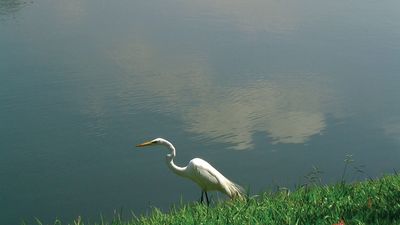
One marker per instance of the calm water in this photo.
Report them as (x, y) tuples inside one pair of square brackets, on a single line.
[(263, 90)]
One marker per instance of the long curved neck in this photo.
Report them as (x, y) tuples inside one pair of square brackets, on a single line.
[(170, 160)]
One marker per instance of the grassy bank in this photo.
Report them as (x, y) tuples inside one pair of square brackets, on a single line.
[(366, 202)]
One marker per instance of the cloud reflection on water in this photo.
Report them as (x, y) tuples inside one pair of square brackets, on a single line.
[(287, 108), (287, 114)]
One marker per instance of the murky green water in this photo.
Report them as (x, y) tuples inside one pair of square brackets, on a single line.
[(263, 90)]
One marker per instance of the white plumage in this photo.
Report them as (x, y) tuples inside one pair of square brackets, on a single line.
[(199, 171)]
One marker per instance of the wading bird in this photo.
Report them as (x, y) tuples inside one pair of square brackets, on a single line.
[(199, 171)]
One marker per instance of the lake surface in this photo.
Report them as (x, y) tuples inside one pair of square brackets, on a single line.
[(263, 90)]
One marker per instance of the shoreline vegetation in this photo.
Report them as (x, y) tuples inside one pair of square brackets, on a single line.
[(372, 201)]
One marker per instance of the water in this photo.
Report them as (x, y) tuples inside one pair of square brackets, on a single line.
[(263, 90)]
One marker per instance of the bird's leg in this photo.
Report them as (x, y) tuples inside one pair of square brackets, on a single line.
[(208, 202), (201, 198)]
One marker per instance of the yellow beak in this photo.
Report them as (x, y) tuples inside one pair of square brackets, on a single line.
[(144, 144)]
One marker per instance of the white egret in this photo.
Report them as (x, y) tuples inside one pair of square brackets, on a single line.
[(199, 171)]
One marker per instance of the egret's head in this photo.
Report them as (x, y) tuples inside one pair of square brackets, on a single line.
[(157, 141)]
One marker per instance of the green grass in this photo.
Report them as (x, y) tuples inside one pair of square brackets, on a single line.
[(366, 202)]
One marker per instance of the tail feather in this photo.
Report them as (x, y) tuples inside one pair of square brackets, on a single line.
[(236, 191)]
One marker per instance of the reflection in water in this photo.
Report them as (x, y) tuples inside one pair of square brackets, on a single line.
[(288, 114), (288, 108), (9, 7), (159, 80)]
